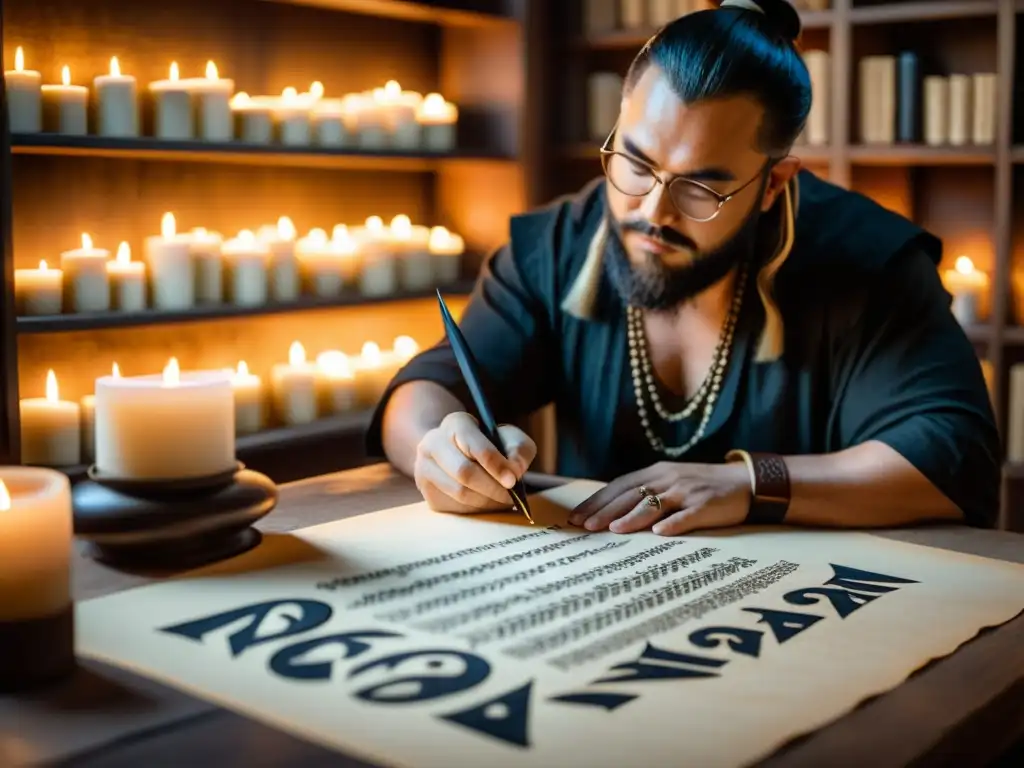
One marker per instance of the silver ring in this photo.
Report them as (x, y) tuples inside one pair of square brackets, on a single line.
[(653, 500), (643, 490)]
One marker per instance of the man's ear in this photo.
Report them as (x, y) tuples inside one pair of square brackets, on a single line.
[(780, 174)]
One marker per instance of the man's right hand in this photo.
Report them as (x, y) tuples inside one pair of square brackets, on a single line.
[(459, 470)]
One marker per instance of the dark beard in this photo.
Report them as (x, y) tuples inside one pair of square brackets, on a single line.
[(656, 287)]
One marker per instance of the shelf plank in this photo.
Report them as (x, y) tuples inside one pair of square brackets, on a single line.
[(933, 10), (910, 154), (237, 152), (463, 13), (979, 333), (1017, 153), (90, 321), (1013, 335)]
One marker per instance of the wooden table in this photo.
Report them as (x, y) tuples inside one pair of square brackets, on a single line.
[(964, 710)]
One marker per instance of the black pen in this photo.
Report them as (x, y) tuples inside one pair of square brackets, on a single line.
[(467, 364)]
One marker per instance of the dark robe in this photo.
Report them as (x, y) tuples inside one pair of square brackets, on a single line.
[(872, 352)]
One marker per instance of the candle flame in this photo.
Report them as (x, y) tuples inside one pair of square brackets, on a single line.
[(86, 242), (175, 74), (5, 496), (243, 368), (211, 71), (406, 347), (401, 226), (115, 371), (239, 99), (375, 224), (296, 354), (964, 265), (392, 89), (285, 228), (317, 236), (19, 60), (316, 89), (340, 233), (52, 392), (115, 66), (172, 372), (168, 226), (439, 236), (199, 231), (372, 354), (42, 265), (247, 236), (335, 364), (124, 253), (289, 93), (65, 75), (433, 105)]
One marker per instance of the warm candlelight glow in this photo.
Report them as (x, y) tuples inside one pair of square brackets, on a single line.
[(175, 74), (433, 105), (5, 496), (247, 236), (392, 90), (286, 229), (406, 347), (375, 225), (401, 226), (86, 242), (65, 75), (211, 71), (964, 265), (115, 66), (296, 354), (335, 364), (317, 236), (372, 356), (172, 373), (52, 393), (316, 89), (168, 226), (240, 99), (340, 232), (124, 254), (243, 368), (342, 240), (19, 60), (289, 93), (115, 371), (42, 265)]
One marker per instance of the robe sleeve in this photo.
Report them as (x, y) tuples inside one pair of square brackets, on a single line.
[(507, 324), (905, 374)]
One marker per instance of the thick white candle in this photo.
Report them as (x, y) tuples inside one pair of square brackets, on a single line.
[(212, 96), (127, 281), (285, 281), (405, 349), (348, 250), (338, 382), (320, 266), (66, 107), (50, 428), (38, 291), (378, 275), (400, 109), (117, 103), (167, 426), (446, 251), (295, 386), (171, 271), (968, 286), (330, 126), (24, 102), (291, 115), (88, 405), (245, 261), (254, 119), (438, 119), (249, 403), (204, 248), (370, 121), (86, 282), (172, 107), (35, 543), (410, 245), (373, 372)]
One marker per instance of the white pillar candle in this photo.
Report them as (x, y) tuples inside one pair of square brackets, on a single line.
[(253, 118), (50, 428), (330, 128), (117, 103), (320, 266), (35, 543), (167, 426), (24, 101), (66, 107), (245, 265), (204, 248), (171, 272), (86, 283), (413, 258), (372, 373), (968, 286), (405, 349), (38, 291), (338, 382), (296, 386), (291, 116), (446, 251), (88, 406), (248, 394), (127, 281), (378, 273), (212, 98), (347, 249), (400, 108), (285, 280), (172, 107), (438, 119), (370, 121)]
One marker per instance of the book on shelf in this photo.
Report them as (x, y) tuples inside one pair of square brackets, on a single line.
[(604, 95), (608, 15), (1015, 415), (816, 131), (877, 99), (811, 5)]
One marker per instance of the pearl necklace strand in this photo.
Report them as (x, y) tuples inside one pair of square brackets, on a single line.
[(710, 388)]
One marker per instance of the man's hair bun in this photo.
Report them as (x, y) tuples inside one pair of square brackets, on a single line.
[(780, 18)]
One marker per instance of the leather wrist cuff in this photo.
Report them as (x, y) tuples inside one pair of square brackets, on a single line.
[(769, 486)]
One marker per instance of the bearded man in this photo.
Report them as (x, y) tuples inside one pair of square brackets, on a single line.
[(726, 337)]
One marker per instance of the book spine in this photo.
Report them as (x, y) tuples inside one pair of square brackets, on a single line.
[(868, 110), (984, 124), (660, 12), (886, 79), (936, 110), (631, 14), (817, 130), (959, 110), (1015, 436), (908, 101), (599, 16), (604, 91)]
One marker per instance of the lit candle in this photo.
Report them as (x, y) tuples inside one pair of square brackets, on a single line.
[(171, 271), (378, 274), (24, 103), (213, 104), (66, 107), (414, 260), (127, 281), (370, 119), (400, 109), (36, 609), (372, 375), (330, 123), (967, 285), (438, 119), (88, 405), (347, 249), (86, 283), (38, 291), (291, 114), (245, 262), (117, 106), (248, 393), (320, 266), (295, 387), (254, 118), (338, 383), (405, 349), (165, 426), (204, 248), (446, 251), (172, 104), (285, 281), (50, 428)]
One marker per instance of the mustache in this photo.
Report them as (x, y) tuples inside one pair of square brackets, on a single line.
[(665, 235)]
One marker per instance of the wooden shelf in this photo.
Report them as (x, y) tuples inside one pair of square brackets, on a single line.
[(1013, 335), (236, 152), (92, 321), (1017, 154), (979, 334), (463, 13), (909, 154), (923, 11)]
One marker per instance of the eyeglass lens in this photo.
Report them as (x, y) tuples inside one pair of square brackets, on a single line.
[(636, 179)]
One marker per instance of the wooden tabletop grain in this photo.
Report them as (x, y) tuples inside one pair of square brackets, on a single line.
[(966, 709)]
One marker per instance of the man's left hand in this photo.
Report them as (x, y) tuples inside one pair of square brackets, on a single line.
[(692, 496)]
